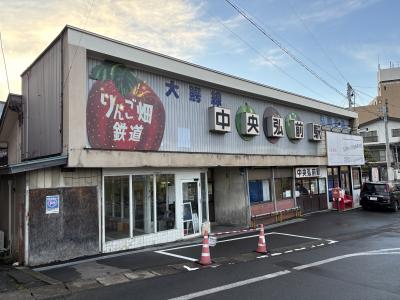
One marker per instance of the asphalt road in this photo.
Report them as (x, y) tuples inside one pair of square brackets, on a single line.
[(363, 264)]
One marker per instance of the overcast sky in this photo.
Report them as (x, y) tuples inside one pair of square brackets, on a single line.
[(339, 40)]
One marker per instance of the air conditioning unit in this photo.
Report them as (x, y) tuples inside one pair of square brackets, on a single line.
[(2, 240)]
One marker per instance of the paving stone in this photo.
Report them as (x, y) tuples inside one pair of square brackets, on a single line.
[(21, 277), (185, 266), (38, 275), (17, 295), (113, 279), (80, 285), (7, 284), (166, 270), (139, 275), (49, 291)]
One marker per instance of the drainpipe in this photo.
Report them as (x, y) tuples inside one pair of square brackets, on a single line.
[(294, 187), (247, 195), (9, 215), (273, 188)]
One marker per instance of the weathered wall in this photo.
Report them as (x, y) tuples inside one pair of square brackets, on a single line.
[(41, 89), (75, 230), (55, 177), (14, 144), (72, 232), (122, 159), (230, 192), (13, 227), (4, 207)]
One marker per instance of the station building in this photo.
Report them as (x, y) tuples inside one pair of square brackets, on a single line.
[(112, 147)]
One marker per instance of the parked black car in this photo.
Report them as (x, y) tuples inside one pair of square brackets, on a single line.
[(380, 194)]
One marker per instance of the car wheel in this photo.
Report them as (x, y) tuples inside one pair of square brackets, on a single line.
[(364, 207), (395, 206)]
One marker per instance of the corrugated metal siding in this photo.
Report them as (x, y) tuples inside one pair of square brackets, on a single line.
[(182, 113), (42, 105)]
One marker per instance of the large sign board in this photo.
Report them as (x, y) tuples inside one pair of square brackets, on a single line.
[(344, 149)]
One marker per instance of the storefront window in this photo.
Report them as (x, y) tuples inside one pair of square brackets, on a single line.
[(345, 179), (302, 187), (165, 191), (322, 185), (143, 204), (116, 199), (259, 191), (190, 196), (283, 188), (356, 173), (313, 186)]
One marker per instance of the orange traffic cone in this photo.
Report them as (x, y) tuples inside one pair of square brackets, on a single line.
[(205, 258), (262, 247)]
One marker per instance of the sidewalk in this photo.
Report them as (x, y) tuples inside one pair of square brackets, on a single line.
[(69, 277)]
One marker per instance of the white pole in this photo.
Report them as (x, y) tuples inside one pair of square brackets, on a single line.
[(9, 215)]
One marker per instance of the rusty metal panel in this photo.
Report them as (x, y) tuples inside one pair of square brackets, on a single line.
[(42, 85), (186, 126)]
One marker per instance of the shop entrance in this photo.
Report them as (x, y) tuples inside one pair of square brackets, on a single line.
[(339, 177), (311, 194), (192, 212)]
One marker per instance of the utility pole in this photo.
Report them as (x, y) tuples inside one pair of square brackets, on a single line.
[(385, 119), (350, 95)]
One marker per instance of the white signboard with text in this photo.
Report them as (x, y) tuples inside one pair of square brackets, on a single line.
[(344, 149)]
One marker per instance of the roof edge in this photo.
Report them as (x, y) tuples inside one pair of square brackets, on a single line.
[(346, 112)]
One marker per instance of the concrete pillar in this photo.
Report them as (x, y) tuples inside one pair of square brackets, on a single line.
[(231, 204)]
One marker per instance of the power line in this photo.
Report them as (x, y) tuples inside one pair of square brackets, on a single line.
[(268, 60), (276, 42), (293, 47), (5, 65), (361, 92), (316, 41)]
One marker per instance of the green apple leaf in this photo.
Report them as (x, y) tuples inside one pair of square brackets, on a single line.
[(124, 78)]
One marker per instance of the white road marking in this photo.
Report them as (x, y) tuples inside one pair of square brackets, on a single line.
[(299, 249), (322, 244), (262, 256), (284, 272), (190, 269), (332, 259), (275, 254), (221, 241), (299, 236), (176, 255), (231, 285), (166, 251)]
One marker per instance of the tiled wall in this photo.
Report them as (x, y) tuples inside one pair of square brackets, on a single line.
[(262, 208), (284, 204), (267, 207), (143, 240)]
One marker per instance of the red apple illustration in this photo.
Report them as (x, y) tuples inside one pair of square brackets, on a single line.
[(122, 111)]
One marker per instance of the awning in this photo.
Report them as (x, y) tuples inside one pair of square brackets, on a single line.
[(36, 164)]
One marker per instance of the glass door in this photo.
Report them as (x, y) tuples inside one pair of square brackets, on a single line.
[(192, 206)]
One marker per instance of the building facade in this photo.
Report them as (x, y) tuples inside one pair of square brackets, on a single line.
[(123, 148), (372, 127)]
